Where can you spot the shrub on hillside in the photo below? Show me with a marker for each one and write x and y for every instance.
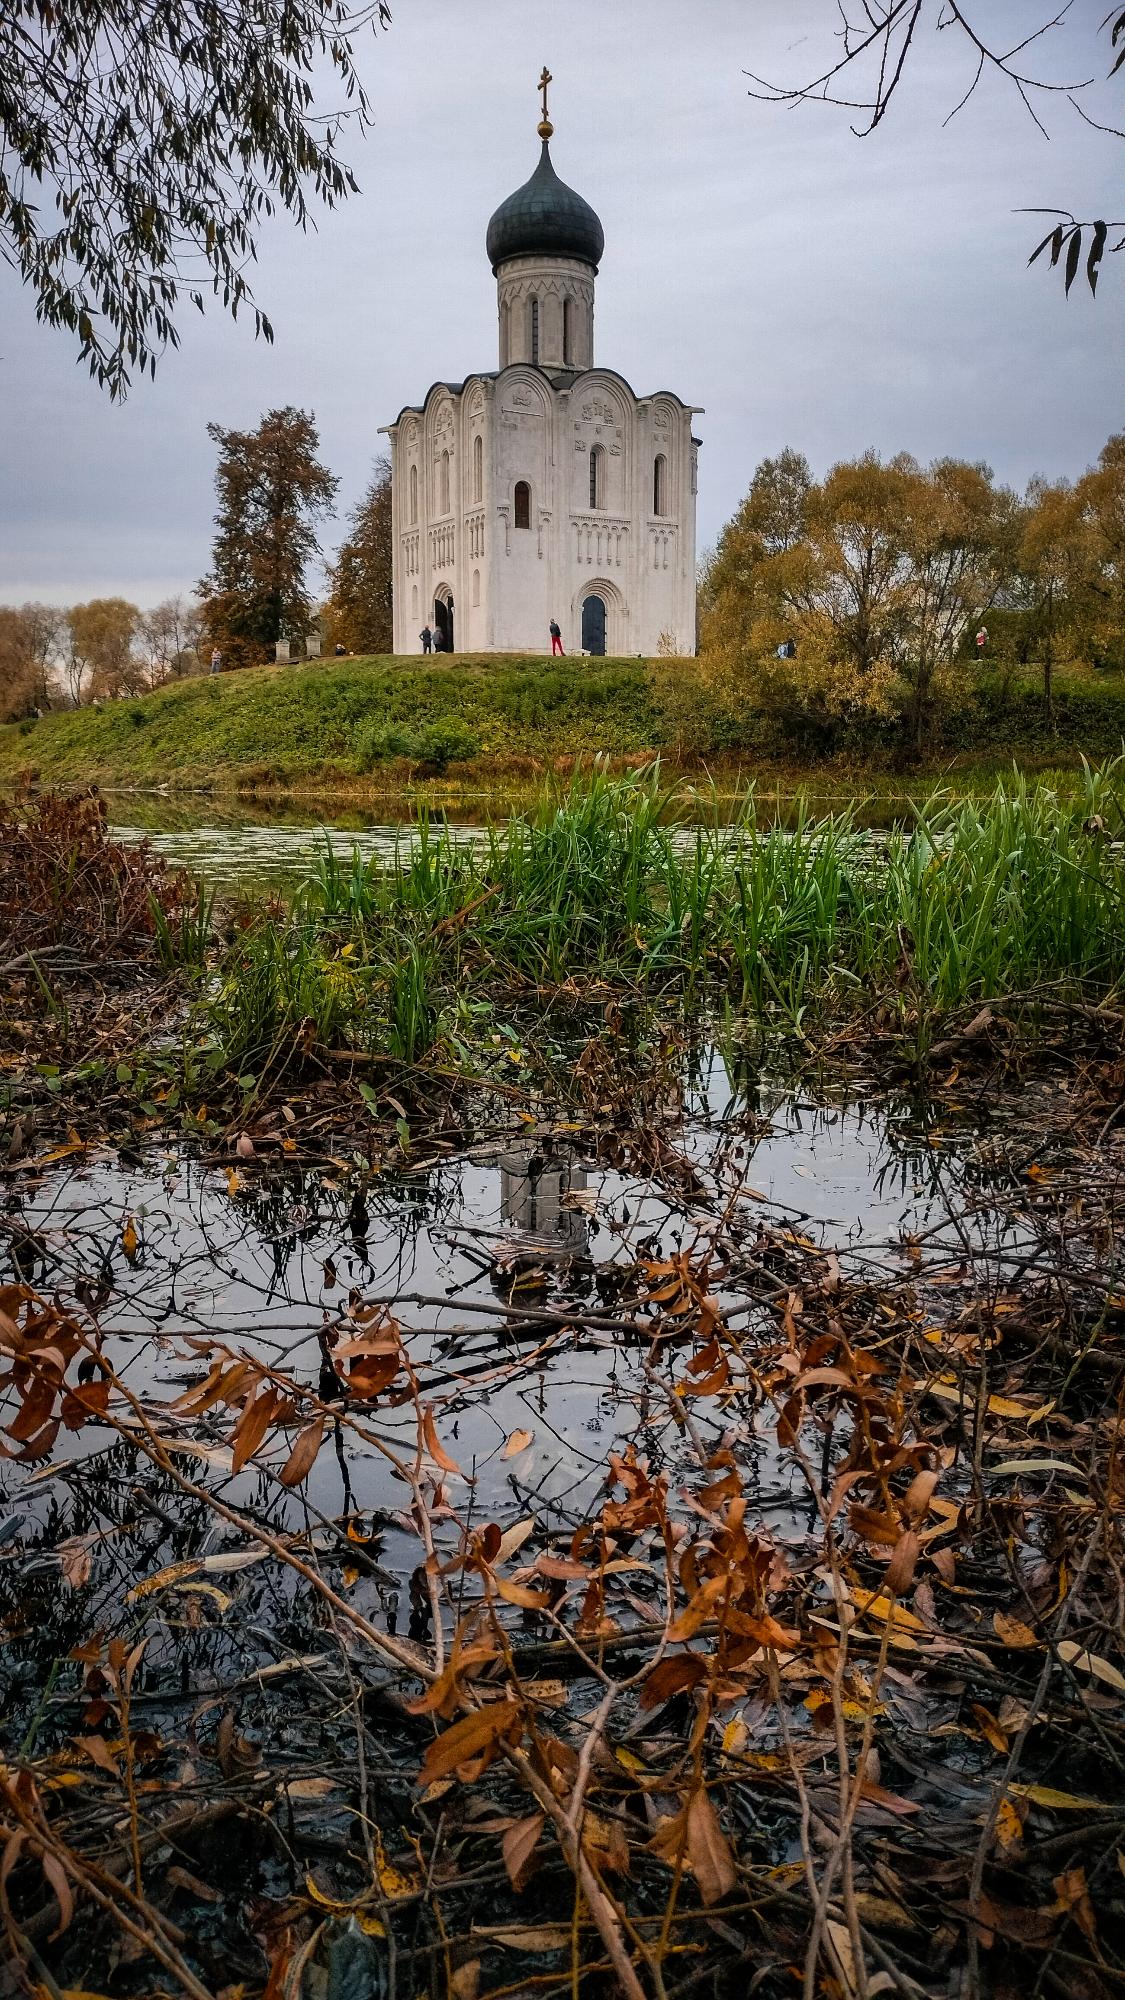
(433, 745)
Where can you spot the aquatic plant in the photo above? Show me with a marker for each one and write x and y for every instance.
(600, 888)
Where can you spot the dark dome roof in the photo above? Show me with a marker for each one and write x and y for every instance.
(545, 218)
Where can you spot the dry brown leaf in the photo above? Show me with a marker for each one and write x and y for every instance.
(903, 1562)
(708, 1849)
(474, 1735)
(1091, 1663)
(60, 1882)
(541, 1937)
(253, 1424)
(433, 1446)
(302, 1458)
(514, 1538)
(518, 1845)
(518, 1442)
(95, 1748)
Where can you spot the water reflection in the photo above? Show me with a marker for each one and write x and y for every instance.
(552, 1221)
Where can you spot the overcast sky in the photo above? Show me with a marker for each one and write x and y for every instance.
(807, 287)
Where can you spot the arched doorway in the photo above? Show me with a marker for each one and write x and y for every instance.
(443, 620)
(593, 625)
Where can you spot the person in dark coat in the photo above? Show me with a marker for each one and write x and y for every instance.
(427, 638)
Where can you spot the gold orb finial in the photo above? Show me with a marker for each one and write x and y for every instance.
(545, 127)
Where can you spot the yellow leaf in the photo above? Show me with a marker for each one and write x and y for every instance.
(518, 1442)
(351, 1576)
(175, 1573)
(735, 1738)
(1012, 1631)
(628, 1759)
(392, 1881)
(234, 1180)
(129, 1238)
(1009, 1826)
(1045, 1795)
(997, 1406)
(872, 1605)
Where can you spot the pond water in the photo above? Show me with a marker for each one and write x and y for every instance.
(237, 844)
(552, 1217)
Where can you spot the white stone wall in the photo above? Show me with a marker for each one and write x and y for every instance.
(507, 582)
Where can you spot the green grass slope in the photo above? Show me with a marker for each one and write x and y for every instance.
(367, 725)
(285, 725)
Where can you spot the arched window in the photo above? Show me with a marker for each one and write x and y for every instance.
(568, 314)
(414, 602)
(443, 484)
(535, 332)
(414, 496)
(523, 504)
(505, 334)
(597, 475)
(660, 484)
(476, 586)
(478, 468)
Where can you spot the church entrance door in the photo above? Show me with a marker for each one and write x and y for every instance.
(443, 619)
(593, 626)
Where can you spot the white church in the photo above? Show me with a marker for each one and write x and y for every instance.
(545, 489)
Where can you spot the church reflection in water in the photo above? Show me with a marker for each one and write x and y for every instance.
(533, 1189)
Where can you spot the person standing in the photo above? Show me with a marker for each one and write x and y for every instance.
(427, 639)
(556, 637)
(216, 661)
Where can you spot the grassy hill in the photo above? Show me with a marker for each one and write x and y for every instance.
(333, 720)
(368, 725)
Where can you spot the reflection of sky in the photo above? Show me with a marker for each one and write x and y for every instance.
(251, 1268)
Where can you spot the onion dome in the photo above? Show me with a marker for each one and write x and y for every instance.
(545, 218)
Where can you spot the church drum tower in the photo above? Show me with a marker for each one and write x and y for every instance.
(545, 488)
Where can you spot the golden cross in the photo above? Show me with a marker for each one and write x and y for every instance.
(544, 80)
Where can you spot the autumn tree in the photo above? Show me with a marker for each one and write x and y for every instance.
(1100, 612)
(29, 640)
(100, 661)
(142, 145)
(956, 538)
(849, 597)
(359, 611)
(271, 488)
(168, 639)
(1050, 568)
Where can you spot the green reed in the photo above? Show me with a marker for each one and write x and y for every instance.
(599, 888)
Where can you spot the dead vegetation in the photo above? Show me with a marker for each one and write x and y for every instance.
(813, 1685)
